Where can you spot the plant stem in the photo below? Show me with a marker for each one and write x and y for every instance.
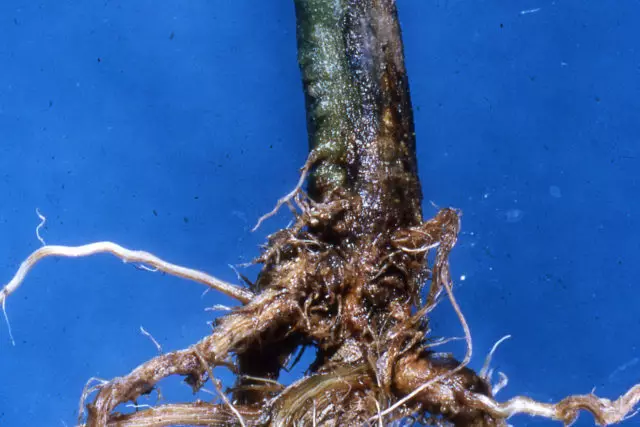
(359, 114)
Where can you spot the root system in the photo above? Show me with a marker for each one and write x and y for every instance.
(354, 277)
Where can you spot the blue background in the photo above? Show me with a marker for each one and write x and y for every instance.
(172, 126)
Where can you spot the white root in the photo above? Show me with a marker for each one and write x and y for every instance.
(502, 383)
(43, 219)
(485, 371)
(153, 340)
(6, 319)
(605, 411)
(127, 255)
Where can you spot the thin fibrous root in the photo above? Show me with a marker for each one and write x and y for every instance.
(43, 220)
(216, 384)
(303, 176)
(605, 412)
(127, 255)
(502, 383)
(89, 388)
(6, 319)
(153, 340)
(485, 371)
(442, 279)
(467, 358)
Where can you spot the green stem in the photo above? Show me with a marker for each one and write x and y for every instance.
(359, 112)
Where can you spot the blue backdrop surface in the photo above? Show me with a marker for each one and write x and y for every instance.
(171, 127)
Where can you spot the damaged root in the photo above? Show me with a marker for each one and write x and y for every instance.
(354, 296)
(193, 414)
(269, 311)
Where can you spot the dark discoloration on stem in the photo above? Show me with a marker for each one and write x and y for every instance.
(358, 108)
(384, 166)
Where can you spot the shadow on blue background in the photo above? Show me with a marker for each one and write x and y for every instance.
(172, 127)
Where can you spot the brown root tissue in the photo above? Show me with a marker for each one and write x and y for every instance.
(355, 297)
